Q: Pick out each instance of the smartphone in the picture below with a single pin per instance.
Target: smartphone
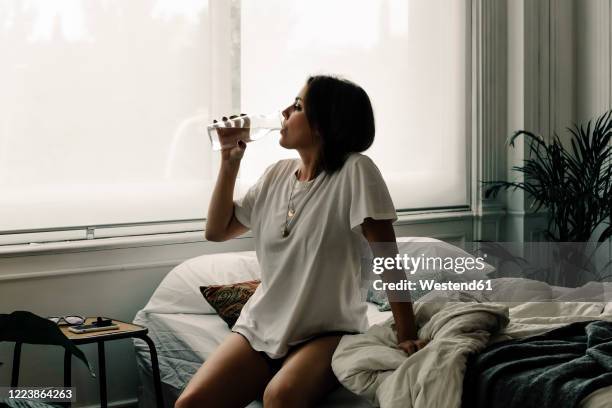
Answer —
(89, 328)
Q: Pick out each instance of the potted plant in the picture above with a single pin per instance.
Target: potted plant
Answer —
(572, 181)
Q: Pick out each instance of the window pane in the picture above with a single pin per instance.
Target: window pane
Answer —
(104, 101)
(410, 56)
(102, 105)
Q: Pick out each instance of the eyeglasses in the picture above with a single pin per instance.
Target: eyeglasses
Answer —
(70, 320)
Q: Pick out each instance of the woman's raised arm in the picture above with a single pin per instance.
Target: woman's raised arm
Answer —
(221, 223)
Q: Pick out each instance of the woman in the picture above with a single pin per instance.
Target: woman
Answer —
(308, 218)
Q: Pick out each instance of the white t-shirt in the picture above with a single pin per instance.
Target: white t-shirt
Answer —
(310, 280)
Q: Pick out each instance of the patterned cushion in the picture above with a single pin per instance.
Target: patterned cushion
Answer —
(379, 298)
(228, 300)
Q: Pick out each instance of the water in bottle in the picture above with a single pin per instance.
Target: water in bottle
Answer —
(247, 128)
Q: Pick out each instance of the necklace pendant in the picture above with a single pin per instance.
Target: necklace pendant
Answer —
(285, 232)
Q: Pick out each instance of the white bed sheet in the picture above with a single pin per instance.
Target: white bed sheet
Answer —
(184, 341)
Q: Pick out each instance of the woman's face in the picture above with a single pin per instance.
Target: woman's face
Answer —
(296, 132)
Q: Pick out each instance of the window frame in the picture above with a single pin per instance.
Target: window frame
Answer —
(29, 238)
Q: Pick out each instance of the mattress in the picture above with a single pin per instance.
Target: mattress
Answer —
(184, 342)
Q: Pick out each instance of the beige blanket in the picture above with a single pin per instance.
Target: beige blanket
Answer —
(371, 365)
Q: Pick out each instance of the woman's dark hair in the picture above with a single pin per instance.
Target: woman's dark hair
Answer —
(342, 114)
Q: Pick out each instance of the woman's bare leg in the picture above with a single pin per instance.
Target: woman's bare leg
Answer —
(233, 376)
(306, 376)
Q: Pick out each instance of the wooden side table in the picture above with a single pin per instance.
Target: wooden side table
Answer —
(126, 330)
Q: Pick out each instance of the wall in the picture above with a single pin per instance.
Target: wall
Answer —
(114, 278)
(559, 73)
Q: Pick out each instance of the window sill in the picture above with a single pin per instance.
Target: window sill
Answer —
(424, 217)
(138, 241)
(102, 244)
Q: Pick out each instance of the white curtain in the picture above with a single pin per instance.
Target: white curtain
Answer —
(411, 56)
(104, 102)
(103, 107)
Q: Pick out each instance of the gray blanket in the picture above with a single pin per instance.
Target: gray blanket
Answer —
(556, 369)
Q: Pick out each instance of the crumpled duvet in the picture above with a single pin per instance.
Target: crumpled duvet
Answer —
(372, 365)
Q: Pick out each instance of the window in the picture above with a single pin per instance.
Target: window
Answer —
(412, 58)
(104, 102)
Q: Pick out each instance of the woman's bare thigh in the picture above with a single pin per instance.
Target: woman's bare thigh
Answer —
(306, 375)
(232, 376)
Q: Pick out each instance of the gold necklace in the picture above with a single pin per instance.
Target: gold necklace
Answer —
(291, 210)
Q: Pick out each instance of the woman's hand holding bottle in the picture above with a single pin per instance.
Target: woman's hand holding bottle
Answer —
(232, 138)
(246, 128)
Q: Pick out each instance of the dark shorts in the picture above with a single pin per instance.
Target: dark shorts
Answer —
(276, 364)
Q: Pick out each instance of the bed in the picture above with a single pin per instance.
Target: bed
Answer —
(186, 330)
(184, 341)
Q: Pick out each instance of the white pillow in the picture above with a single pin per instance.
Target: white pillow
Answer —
(179, 292)
(607, 310)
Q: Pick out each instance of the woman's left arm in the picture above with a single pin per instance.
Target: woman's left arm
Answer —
(381, 231)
